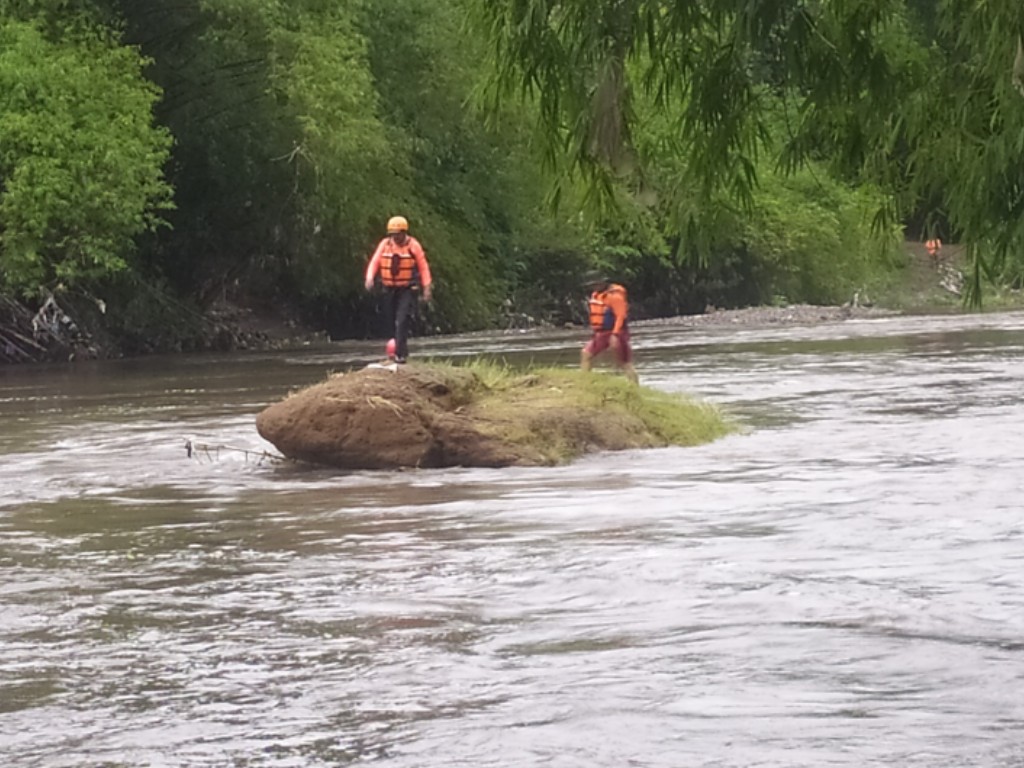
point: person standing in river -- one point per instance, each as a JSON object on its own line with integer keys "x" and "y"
{"x": 934, "y": 248}
{"x": 401, "y": 264}
{"x": 608, "y": 310}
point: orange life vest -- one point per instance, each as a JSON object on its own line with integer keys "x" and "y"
{"x": 398, "y": 265}
{"x": 602, "y": 316}
{"x": 933, "y": 246}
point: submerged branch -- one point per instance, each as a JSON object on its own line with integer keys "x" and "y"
{"x": 194, "y": 450}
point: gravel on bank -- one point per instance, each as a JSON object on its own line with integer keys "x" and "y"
{"x": 794, "y": 314}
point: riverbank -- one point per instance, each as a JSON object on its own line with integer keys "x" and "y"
{"x": 57, "y": 335}
{"x": 64, "y": 330}
{"x": 794, "y": 314}
{"x": 230, "y": 328}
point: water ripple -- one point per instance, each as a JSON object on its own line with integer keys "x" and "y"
{"x": 839, "y": 585}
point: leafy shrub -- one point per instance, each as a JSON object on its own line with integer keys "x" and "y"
{"x": 80, "y": 160}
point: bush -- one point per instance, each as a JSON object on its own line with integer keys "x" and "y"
{"x": 79, "y": 157}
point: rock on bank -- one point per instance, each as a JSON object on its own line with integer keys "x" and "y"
{"x": 479, "y": 416}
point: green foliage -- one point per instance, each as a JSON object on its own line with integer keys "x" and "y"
{"x": 675, "y": 419}
{"x": 664, "y": 418}
{"x": 348, "y": 164}
{"x": 802, "y": 236}
{"x": 80, "y": 160}
{"x": 925, "y": 109}
{"x": 813, "y": 241}
{"x": 475, "y": 196}
{"x": 234, "y": 189}
{"x": 713, "y": 152}
{"x": 587, "y": 62}
{"x": 301, "y": 127}
{"x": 964, "y": 137}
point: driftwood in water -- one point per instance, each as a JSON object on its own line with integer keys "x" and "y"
{"x": 48, "y": 333}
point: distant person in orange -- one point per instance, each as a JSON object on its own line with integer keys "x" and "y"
{"x": 402, "y": 266}
{"x": 609, "y": 320}
{"x": 934, "y": 248}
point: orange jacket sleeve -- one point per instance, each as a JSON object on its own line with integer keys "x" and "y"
{"x": 617, "y": 304}
{"x": 421, "y": 261}
{"x": 374, "y": 265}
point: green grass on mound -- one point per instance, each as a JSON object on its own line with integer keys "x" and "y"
{"x": 562, "y": 413}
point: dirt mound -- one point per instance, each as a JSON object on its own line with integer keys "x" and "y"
{"x": 443, "y": 416}
{"x": 379, "y": 419}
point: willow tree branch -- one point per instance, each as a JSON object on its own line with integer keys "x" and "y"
{"x": 1018, "y": 66}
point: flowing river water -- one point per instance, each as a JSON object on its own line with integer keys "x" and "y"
{"x": 839, "y": 584}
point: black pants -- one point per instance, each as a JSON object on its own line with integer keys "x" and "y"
{"x": 400, "y": 304}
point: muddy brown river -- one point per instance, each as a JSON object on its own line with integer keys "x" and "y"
{"x": 839, "y": 584}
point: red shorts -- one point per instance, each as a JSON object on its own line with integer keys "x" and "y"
{"x": 601, "y": 340}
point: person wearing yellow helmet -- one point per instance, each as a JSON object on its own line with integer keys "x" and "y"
{"x": 401, "y": 265}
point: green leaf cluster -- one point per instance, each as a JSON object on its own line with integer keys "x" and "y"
{"x": 300, "y": 127}
{"x": 921, "y": 99}
{"x": 80, "y": 158}
{"x": 710, "y": 152}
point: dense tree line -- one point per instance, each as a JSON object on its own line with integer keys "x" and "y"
{"x": 159, "y": 157}
{"x": 920, "y": 97}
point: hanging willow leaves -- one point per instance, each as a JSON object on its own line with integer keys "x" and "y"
{"x": 875, "y": 87}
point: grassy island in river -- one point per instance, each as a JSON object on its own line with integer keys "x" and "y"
{"x": 481, "y": 415}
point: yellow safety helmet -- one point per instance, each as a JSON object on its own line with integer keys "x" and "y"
{"x": 397, "y": 224}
